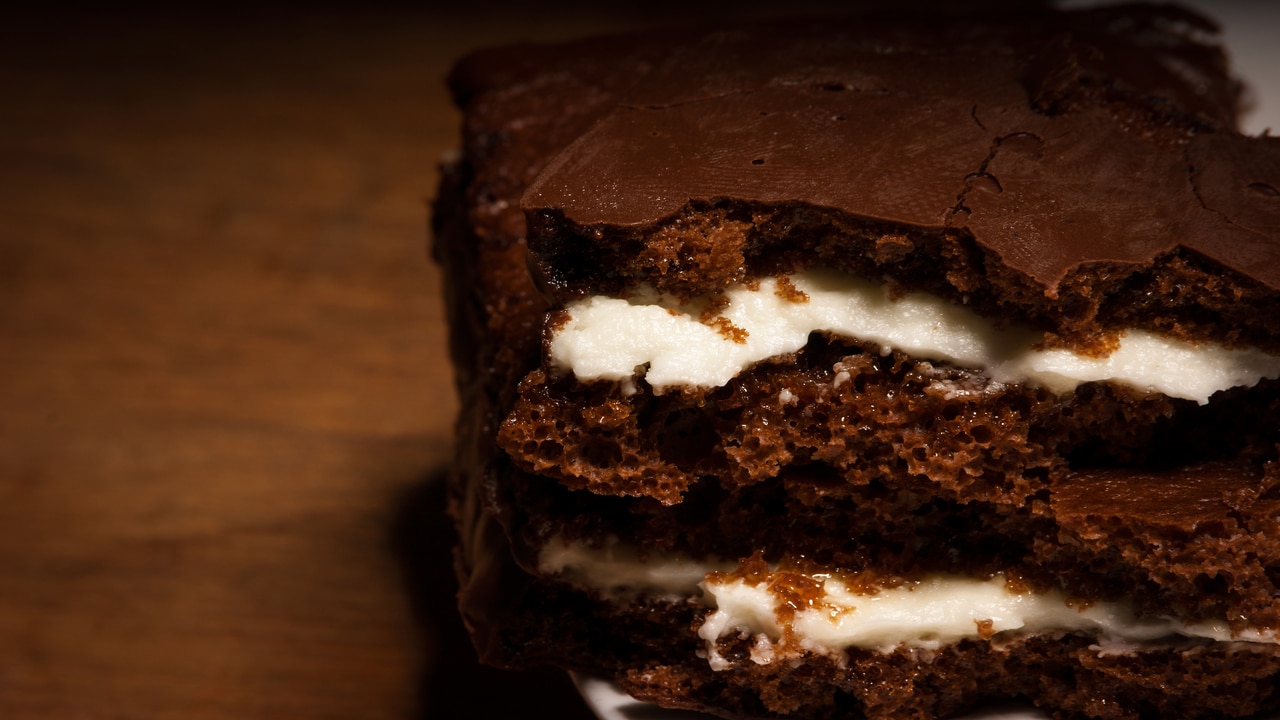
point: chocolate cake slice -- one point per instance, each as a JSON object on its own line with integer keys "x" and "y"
{"x": 872, "y": 367}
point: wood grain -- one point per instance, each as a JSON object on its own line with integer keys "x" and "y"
{"x": 224, "y": 397}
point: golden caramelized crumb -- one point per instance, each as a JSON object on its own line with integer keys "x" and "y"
{"x": 788, "y": 291}
{"x": 728, "y": 330}
{"x": 891, "y": 248}
{"x": 1097, "y": 345}
{"x": 797, "y": 591}
{"x": 715, "y": 305}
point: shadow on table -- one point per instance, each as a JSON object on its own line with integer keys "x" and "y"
{"x": 455, "y": 684}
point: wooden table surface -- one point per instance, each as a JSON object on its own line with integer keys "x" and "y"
{"x": 225, "y": 402}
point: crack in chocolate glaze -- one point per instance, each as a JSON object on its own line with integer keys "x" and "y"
{"x": 981, "y": 179}
{"x": 1195, "y": 189}
{"x": 973, "y": 113}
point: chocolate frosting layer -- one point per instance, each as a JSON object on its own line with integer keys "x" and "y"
{"x": 1055, "y": 144}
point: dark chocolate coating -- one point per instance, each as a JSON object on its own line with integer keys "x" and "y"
{"x": 1054, "y": 148}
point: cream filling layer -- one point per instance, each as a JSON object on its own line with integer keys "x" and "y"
{"x": 831, "y": 616}
{"x": 929, "y": 614}
{"x": 616, "y": 571}
{"x": 668, "y": 343}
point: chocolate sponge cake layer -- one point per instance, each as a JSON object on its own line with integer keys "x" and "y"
{"x": 1081, "y": 452}
{"x": 521, "y": 619}
{"x": 888, "y": 419}
{"x": 1197, "y": 542}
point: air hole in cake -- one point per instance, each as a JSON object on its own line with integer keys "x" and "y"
{"x": 600, "y": 453}
{"x": 549, "y": 451}
{"x": 981, "y": 434}
{"x": 818, "y": 478}
{"x": 1212, "y": 586}
{"x": 1273, "y": 574}
{"x": 686, "y": 437}
{"x": 630, "y": 462}
{"x": 860, "y": 383}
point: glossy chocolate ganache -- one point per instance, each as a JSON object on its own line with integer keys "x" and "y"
{"x": 872, "y": 366}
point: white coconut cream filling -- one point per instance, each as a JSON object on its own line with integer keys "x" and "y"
{"x": 669, "y": 344}
{"x": 929, "y": 614}
{"x": 616, "y": 571}
{"x": 833, "y": 617}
